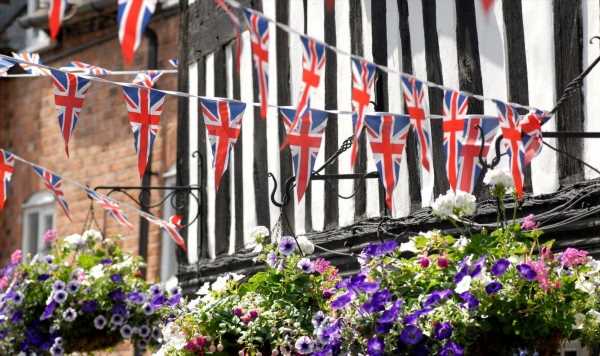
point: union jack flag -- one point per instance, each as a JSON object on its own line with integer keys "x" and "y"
{"x": 69, "y": 93}
{"x": 313, "y": 63}
{"x": 5, "y": 65}
{"x": 363, "y": 80}
{"x": 111, "y": 206}
{"x": 223, "y": 121}
{"x": 511, "y": 137}
{"x": 55, "y": 16}
{"x": 172, "y": 228}
{"x": 414, "y": 93}
{"x": 54, "y": 184}
{"x": 455, "y": 110}
{"x": 531, "y": 128}
{"x": 174, "y": 62}
{"x": 7, "y": 168}
{"x": 89, "y": 69}
{"x": 147, "y": 79}
{"x": 133, "y": 16}
{"x": 259, "y": 35}
{"x": 305, "y": 141}
{"x": 387, "y": 138}
{"x": 469, "y": 167}
{"x": 144, "y": 107}
{"x": 31, "y": 58}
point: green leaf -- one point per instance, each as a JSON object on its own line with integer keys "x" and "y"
{"x": 87, "y": 261}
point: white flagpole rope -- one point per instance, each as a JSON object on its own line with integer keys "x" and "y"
{"x": 187, "y": 95}
{"x": 383, "y": 68}
{"x": 80, "y": 72}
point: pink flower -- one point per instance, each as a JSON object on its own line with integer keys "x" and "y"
{"x": 3, "y": 283}
{"x": 546, "y": 254}
{"x": 542, "y": 274}
{"x": 573, "y": 257}
{"x": 16, "y": 257}
{"x": 320, "y": 265}
{"x": 442, "y": 262}
{"x": 50, "y": 236}
{"x": 424, "y": 261}
{"x": 529, "y": 223}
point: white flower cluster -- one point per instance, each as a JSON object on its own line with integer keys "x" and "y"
{"x": 454, "y": 204}
{"x": 498, "y": 178}
{"x": 76, "y": 240}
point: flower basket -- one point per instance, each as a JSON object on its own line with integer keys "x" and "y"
{"x": 84, "y": 295}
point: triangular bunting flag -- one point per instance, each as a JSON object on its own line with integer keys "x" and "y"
{"x": 511, "y": 137}
{"x": 55, "y": 16}
{"x": 84, "y": 68}
{"x": 31, "y": 58}
{"x": 111, "y": 206}
{"x": 54, "y": 184}
{"x": 69, "y": 93}
{"x": 414, "y": 92}
{"x": 133, "y": 16}
{"x": 5, "y": 65}
{"x": 259, "y": 35}
{"x": 174, "y": 62}
{"x": 363, "y": 80}
{"x": 531, "y": 129}
{"x": 223, "y": 121}
{"x": 148, "y": 79}
{"x": 304, "y": 140}
{"x": 172, "y": 228}
{"x": 469, "y": 149}
{"x": 455, "y": 110}
{"x": 144, "y": 107}
{"x": 387, "y": 138}
{"x": 7, "y": 168}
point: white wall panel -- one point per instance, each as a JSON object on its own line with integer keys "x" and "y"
{"x": 209, "y": 82}
{"x": 192, "y": 230}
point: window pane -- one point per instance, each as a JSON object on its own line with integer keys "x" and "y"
{"x": 32, "y": 232}
{"x": 48, "y": 223}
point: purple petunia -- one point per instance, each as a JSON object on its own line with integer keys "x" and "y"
{"x": 470, "y": 301}
{"x": 500, "y": 267}
{"x": 375, "y": 346}
{"x": 451, "y": 349}
{"x": 69, "y": 315}
{"x": 148, "y": 309}
{"x": 526, "y": 271}
{"x": 43, "y": 277}
{"x": 391, "y": 315}
{"x": 305, "y": 265}
{"x": 144, "y": 331}
{"x": 341, "y": 301}
{"x": 116, "y": 278}
{"x": 89, "y": 306}
{"x": 493, "y": 287}
{"x": 49, "y": 310}
{"x": 318, "y": 319}
{"x": 72, "y": 287}
{"x": 106, "y": 261}
{"x": 117, "y": 319}
{"x": 59, "y": 296}
{"x": 377, "y": 301}
{"x": 58, "y": 285}
{"x": 304, "y": 345}
{"x": 136, "y": 297}
{"x": 99, "y": 322}
{"x": 376, "y": 250}
{"x": 413, "y": 317}
{"x": 126, "y": 331}
{"x": 287, "y": 245}
{"x": 411, "y": 335}
{"x": 117, "y": 295}
{"x": 442, "y": 331}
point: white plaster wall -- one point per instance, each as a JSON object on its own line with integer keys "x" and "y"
{"x": 192, "y": 230}
{"x": 591, "y": 85}
{"x": 210, "y": 173}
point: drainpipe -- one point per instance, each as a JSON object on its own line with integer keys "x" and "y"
{"x": 146, "y": 179}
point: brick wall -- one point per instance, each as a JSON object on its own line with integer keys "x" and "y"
{"x": 101, "y": 150}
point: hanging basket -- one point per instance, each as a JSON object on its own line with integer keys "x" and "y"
{"x": 492, "y": 343}
{"x": 92, "y": 342}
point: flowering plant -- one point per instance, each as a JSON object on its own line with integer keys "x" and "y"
{"x": 84, "y": 294}
{"x": 270, "y": 312}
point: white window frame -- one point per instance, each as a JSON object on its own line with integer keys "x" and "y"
{"x": 168, "y": 248}
{"x": 43, "y": 204}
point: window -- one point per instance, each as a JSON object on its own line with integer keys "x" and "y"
{"x": 38, "y": 217}
{"x": 168, "y": 260}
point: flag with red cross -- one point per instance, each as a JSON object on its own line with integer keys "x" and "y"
{"x": 455, "y": 111}
{"x": 111, "y": 206}
{"x": 7, "y": 168}
{"x": 363, "y": 80}
{"x": 513, "y": 143}
{"x": 144, "y": 107}
{"x": 531, "y": 129}
{"x": 56, "y": 14}
{"x": 387, "y": 137}
{"x": 69, "y": 93}
{"x": 304, "y": 140}
{"x": 259, "y": 36}
{"x": 171, "y": 227}
{"x": 414, "y": 92}
{"x": 223, "y": 121}
{"x": 470, "y": 147}
{"x": 53, "y": 183}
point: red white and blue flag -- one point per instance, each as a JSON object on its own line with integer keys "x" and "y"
{"x": 313, "y": 64}
{"x": 470, "y": 147}
{"x": 455, "y": 111}
{"x": 259, "y": 36}
{"x": 133, "y": 16}
{"x": 148, "y": 79}
{"x": 223, "y": 121}
{"x": 111, "y": 206}
{"x": 174, "y": 62}
{"x": 172, "y": 228}
{"x": 31, "y": 58}
{"x": 7, "y": 168}
{"x": 531, "y": 129}
{"x": 304, "y": 140}
{"x": 5, "y": 65}
{"x": 54, "y": 184}
{"x": 56, "y": 15}
{"x": 69, "y": 93}
{"x": 387, "y": 138}
{"x": 511, "y": 137}
{"x": 144, "y": 107}
{"x": 414, "y": 92}
{"x": 363, "y": 80}
{"x": 84, "y": 68}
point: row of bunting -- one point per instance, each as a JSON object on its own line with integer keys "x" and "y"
{"x": 53, "y": 182}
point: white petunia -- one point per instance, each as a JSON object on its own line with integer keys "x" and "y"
{"x": 204, "y": 290}
{"x": 464, "y": 285}
{"x": 305, "y": 245}
{"x": 498, "y": 178}
{"x": 97, "y": 271}
{"x": 454, "y": 204}
{"x": 74, "y": 240}
{"x": 579, "y": 321}
{"x": 408, "y": 246}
